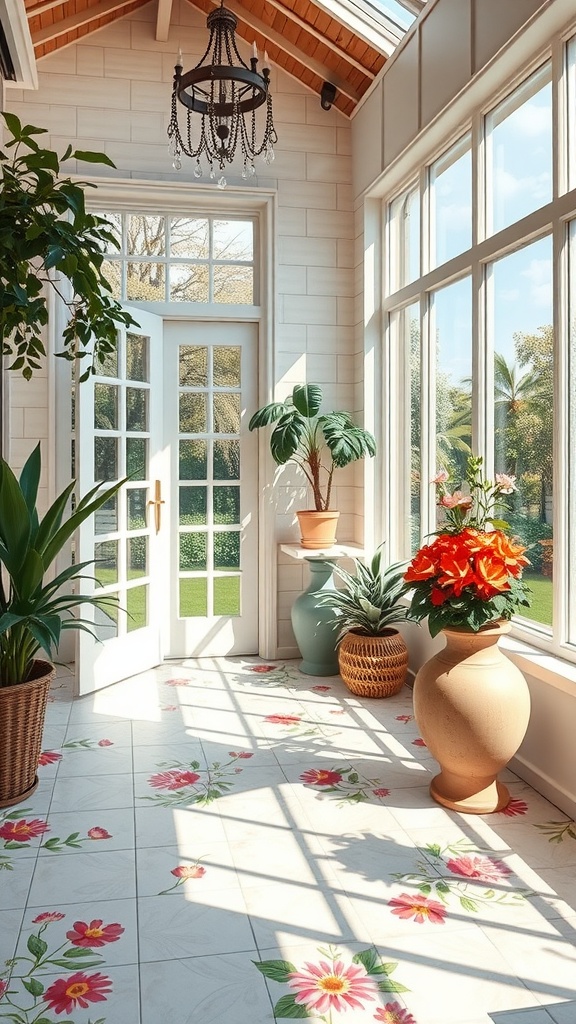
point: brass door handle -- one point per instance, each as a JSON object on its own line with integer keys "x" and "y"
{"x": 157, "y": 502}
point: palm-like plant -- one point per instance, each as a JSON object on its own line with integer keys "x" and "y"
{"x": 33, "y": 611}
{"x": 371, "y": 600}
{"x": 304, "y": 436}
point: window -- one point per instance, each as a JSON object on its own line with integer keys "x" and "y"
{"x": 181, "y": 259}
{"x": 482, "y": 333}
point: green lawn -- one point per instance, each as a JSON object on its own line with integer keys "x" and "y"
{"x": 540, "y": 609}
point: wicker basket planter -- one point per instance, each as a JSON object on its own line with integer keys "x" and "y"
{"x": 22, "y": 712}
{"x": 373, "y": 666}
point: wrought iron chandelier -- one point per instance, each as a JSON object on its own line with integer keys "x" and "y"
{"x": 226, "y": 94}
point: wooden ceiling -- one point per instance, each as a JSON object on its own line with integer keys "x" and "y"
{"x": 302, "y": 37}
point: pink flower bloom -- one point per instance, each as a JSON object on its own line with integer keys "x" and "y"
{"x": 339, "y": 711}
{"x": 456, "y": 500}
{"x": 98, "y": 833}
{"x": 381, "y": 792}
{"x": 321, "y": 689}
{"x": 23, "y": 831}
{"x": 170, "y": 707}
{"x": 282, "y": 719}
{"x": 173, "y": 779}
{"x": 79, "y": 989}
{"x": 440, "y": 477}
{"x": 177, "y": 682}
{"x": 419, "y": 907}
{"x": 514, "y": 807}
{"x": 393, "y": 1013}
{"x": 3, "y": 988}
{"x": 239, "y": 753}
{"x": 506, "y": 484}
{"x": 49, "y": 757}
{"x": 48, "y": 916}
{"x": 418, "y": 743}
{"x": 320, "y": 777}
{"x": 324, "y": 987}
{"x": 404, "y": 718}
{"x": 105, "y": 743}
{"x": 262, "y": 668}
{"x": 188, "y": 871}
{"x": 486, "y": 869}
{"x": 90, "y": 936}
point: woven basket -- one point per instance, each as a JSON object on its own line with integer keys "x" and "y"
{"x": 22, "y": 711}
{"x": 373, "y": 666}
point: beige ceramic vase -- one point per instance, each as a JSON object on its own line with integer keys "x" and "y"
{"x": 472, "y": 706}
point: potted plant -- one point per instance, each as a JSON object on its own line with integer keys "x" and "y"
{"x": 34, "y": 609}
{"x": 472, "y": 704}
{"x": 372, "y": 654}
{"x": 318, "y": 443}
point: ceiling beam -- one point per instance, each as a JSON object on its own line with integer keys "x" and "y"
{"x": 342, "y": 54}
{"x": 375, "y": 29}
{"x": 163, "y": 20}
{"x": 75, "y": 21}
{"x": 323, "y": 72}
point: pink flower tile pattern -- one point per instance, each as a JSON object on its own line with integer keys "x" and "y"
{"x": 346, "y": 783}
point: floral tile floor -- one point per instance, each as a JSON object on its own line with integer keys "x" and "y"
{"x": 231, "y": 842}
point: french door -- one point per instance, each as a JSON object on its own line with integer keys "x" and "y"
{"x": 178, "y": 545}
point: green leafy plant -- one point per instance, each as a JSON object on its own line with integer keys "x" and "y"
{"x": 33, "y": 610}
{"x": 371, "y": 600}
{"x": 305, "y": 436}
{"x": 46, "y": 235}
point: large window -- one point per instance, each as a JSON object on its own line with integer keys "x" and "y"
{"x": 482, "y": 330}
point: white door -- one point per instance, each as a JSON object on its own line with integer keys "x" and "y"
{"x": 178, "y": 545}
{"x": 120, "y": 434}
{"x": 210, "y": 390}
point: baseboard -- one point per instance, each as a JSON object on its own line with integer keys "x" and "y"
{"x": 543, "y": 784}
{"x": 286, "y": 654}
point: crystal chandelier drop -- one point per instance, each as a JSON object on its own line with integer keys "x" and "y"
{"x": 221, "y": 95}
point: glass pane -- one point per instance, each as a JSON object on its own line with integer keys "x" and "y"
{"x": 106, "y": 517}
{"x": 572, "y": 424}
{"x": 106, "y": 406}
{"x": 137, "y": 608}
{"x": 571, "y": 119}
{"x": 451, "y": 203}
{"x": 105, "y": 458}
{"x": 521, "y": 289}
{"x": 226, "y": 414}
{"x": 189, "y": 237}
{"x": 227, "y": 550}
{"x": 189, "y": 282}
{"x": 233, "y": 240}
{"x": 145, "y": 235}
{"x": 404, "y": 256}
{"x": 193, "y": 418}
{"x": 452, "y": 326}
{"x": 226, "y": 359}
{"x": 114, "y": 222}
{"x": 106, "y": 562}
{"x": 145, "y": 282}
{"x": 192, "y": 502}
{"x": 109, "y": 366}
{"x": 112, "y": 271}
{"x": 519, "y": 152}
{"x": 137, "y": 357}
{"x": 137, "y": 458}
{"x": 193, "y": 598}
{"x": 193, "y": 461}
{"x": 106, "y": 623}
{"x": 226, "y": 505}
{"x": 193, "y": 366}
{"x": 234, "y": 284}
{"x": 136, "y": 508}
{"x": 193, "y": 552}
{"x": 136, "y": 409}
{"x": 227, "y": 595}
{"x": 406, "y": 329}
{"x": 136, "y": 557}
{"x": 226, "y": 460}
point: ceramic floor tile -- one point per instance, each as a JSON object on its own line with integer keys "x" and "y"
{"x": 76, "y": 877}
{"x": 10, "y": 922}
{"x": 544, "y": 959}
{"x": 104, "y": 929}
{"x": 172, "y": 729}
{"x": 297, "y": 913}
{"x": 182, "y": 925}
{"x": 91, "y": 831}
{"x": 118, "y": 733}
{"x": 188, "y": 869}
{"x": 212, "y": 989}
{"x": 117, "y": 985}
{"x": 88, "y": 793}
{"x": 292, "y": 855}
{"x": 157, "y": 757}
{"x": 105, "y": 760}
{"x": 15, "y": 882}
{"x": 167, "y": 826}
{"x": 563, "y": 1013}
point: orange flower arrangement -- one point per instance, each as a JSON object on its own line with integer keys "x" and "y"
{"x": 471, "y": 573}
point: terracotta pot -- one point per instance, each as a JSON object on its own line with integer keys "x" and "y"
{"x": 318, "y": 529}
{"x": 373, "y": 666}
{"x": 22, "y": 712}
{"x": 472, "y": 706}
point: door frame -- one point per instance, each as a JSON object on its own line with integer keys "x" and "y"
{"x": 159, "y": 197}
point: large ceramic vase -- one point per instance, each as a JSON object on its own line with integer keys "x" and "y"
{"x": 472, "y": 706}
{"x": 315, "y": 624}
{"x": 22, "y": 713}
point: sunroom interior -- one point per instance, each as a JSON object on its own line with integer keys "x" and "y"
{"x": 268, "y": 848}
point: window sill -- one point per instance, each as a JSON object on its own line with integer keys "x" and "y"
{"x": 548, "y": 668}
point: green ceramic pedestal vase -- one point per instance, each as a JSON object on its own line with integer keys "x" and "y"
{"x": 315, "y": 626}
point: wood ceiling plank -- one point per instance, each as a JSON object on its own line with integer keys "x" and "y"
{"x": 163, "y": 16}
{"x": 77, "y": 20}
{"x": 310, "y": 30}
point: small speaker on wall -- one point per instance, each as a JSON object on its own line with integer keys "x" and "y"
{"x": 327, "y": 95}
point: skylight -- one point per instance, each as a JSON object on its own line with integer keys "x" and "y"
{"x": 394, "y": 10}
